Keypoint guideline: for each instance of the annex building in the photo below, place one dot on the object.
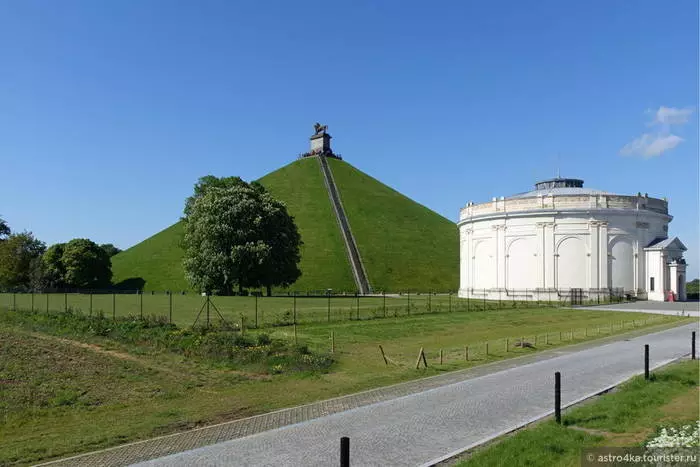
(562, 240)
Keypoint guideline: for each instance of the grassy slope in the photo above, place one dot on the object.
(403, 244)
(324, 262)
(158, 260)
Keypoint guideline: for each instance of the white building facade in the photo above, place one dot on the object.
(562, 239)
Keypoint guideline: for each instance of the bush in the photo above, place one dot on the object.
(264, 339)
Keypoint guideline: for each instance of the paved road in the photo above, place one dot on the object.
(662, 308)
(420, 428)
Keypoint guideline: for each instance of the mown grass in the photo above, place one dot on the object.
(623, 418)
(271, 311)
(177, 391)
(404, 245)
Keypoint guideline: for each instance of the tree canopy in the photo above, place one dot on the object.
(110, 249)
(80, 263)
(4, 229)
(237, 234)
(18, 259)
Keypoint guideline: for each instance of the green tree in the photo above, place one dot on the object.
(279, 232)
(53, 267)
(230, 238)
(18, 254)
(110, 249)
(4, 229)
(86, 265)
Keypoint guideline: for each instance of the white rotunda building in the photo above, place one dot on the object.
(563, 241)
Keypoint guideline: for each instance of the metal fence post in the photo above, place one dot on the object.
(295, 309)
(170, 309)
(692, 346)
(384, 299)
(557, 397)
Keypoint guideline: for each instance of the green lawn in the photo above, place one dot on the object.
(118, 392)
(624, 418)
(271, 311)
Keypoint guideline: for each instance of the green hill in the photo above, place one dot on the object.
(403, 245)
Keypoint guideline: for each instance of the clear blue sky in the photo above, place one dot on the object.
(110, 111)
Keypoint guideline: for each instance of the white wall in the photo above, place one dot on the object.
(587, 248)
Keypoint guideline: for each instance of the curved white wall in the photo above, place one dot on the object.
(588, 247)
(570, 263)
(521, 264)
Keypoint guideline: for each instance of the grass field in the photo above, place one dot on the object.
(624, 418)
(265, 311)
(69, 393)
(404, 245)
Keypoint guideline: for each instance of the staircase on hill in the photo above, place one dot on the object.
(358, 269)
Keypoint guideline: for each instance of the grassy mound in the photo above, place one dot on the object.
(403, 244)
(153, 264)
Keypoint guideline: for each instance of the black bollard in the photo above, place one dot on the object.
(692, 346)
(557, 397)
(344, 451)
(646, 362)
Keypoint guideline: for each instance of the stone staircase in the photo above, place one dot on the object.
(358, 269)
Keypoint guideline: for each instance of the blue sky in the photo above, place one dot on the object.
(110, 111)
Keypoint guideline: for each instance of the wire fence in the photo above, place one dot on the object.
(262, 311)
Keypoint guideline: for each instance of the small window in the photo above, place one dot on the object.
(651, 284)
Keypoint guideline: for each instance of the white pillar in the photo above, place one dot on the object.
(549, 251)
(594, 249)
(501, 257)
(604, 258)
(673, 278)
(539, 251)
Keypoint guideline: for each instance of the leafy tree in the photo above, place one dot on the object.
(53, 267)
(210, 181)
(18, 255)
(281, 266)
(86, 265)
(110, 249)
(230, 237)
(693, 287)
(4, 229)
